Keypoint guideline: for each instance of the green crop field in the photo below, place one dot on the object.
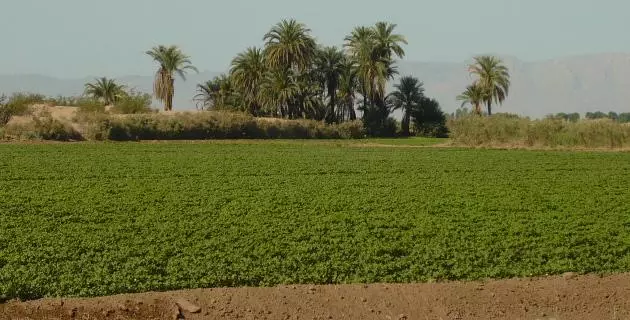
(104, 218)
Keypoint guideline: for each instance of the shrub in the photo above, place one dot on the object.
(132, 103)
(217, 125)
(48, 128)
(17, 105)
(549, 132)
(43, 127)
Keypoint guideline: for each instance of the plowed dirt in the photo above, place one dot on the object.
(560, 297)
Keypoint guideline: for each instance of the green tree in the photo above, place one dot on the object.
(105, 90)
(474, 95)
(348, 84)
(595, 115)
(408, 95)
(429, 119)
(172, 61)
(289, 44)
(493, 77)
(373, 51)
(613, 115)
(247, 73)
(329, 65)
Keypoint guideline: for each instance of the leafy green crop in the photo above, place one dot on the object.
(106, 218)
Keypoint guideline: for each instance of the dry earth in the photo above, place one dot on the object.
(559, 297)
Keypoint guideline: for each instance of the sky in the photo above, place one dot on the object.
(81, 38)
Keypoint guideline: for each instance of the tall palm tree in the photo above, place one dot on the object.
(247, 73)
(373, 50)
(172, 61)
(105, 90)
(360, 44)
(407, 96)
(330, 66)
(494, 78)
(289, 45)
(347, 90)
(474, 95)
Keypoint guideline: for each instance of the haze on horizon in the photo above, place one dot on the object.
(79, 38)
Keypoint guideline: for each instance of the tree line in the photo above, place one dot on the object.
(293, 77)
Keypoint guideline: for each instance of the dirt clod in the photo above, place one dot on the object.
(569, 275)
(186, 305)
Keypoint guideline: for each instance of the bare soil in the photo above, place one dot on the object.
(559, 297)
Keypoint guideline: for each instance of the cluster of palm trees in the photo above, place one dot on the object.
(492, 84)
(293, 76)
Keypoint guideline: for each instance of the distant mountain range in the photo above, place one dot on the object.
(599, 82)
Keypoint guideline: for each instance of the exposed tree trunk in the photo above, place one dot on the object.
(405, 122)
(353, 114)
(331, 112)
(489, 107)
(169, 95)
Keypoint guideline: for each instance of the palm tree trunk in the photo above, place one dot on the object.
(169, 96)
(405, 122)
(353, 114)
(331, 93)
(489, 107)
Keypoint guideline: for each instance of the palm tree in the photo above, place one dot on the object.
(373, 50)
(172, 60)
(217, 93)
(360, 44)
(247, 73)
(494, 78)
(387, 42)
(474, 95)
(289, 45)
(348, 83)
(278, 92)
(105, 90)
(407, 96)
(330, 66)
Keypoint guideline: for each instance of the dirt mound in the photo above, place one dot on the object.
(562, 297)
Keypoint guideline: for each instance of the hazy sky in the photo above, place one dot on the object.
(76, 38)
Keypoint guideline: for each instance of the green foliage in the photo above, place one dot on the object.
(408, 96)
(48, 128)
(104, 90)
(218, 125)
(172, 62)
(117, 218)
(377, 122)
(492, 83)
(133, 102)
(573, 117)
(551, 132)
(428, 119)
(293, 77)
